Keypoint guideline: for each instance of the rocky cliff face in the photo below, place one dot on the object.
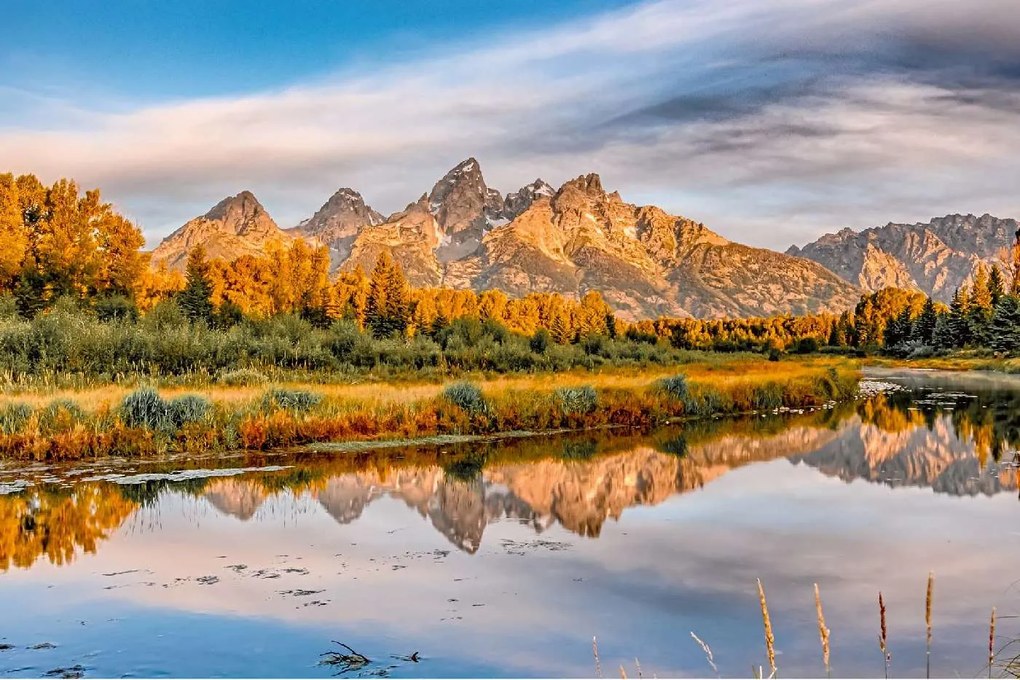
(935, 257)
(338, 222)
(237, 225)
(464, 234)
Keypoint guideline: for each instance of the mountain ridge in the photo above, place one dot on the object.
(580, 237)
(935, 258)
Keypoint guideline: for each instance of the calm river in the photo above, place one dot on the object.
(506, 559)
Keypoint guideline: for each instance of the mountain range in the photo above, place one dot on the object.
(579, 237)
(935, 258)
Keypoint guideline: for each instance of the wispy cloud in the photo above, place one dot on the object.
(771, 122)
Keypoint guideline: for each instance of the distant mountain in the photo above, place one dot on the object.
(337, 223)
(465, 234)
(935, 257)
(237, 225)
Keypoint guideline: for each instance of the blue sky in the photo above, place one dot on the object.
(772, 122)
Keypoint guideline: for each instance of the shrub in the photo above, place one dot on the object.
(13, 417)
(144, 408)
(189, 408)
(243, 377)
(59, 415)
(297, 401)
(540, 341)
(675, 387)
(467, 396)
(577, 400)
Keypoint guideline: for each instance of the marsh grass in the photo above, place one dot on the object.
(221, 417)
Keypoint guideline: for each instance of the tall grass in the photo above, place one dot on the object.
(148, 420)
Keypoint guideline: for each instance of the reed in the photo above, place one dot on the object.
(823, 631)
(927, 622)
(991, 642)
(883, 634)
(708, 653)
(770, 640)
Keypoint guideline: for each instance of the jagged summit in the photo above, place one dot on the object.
(935, 257)
(463, 233)
(237, 225)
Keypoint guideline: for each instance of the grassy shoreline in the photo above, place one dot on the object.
(62, 425)
(954, 362)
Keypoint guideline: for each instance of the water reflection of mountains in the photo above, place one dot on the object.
(949, 444)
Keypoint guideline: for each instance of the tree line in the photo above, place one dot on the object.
(56, 242)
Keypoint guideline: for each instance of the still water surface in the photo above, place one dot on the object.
(505, 559)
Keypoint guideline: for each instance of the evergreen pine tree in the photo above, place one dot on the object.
(196, 298)
(388, 308)
(1004, 327)
(958, 323)
(943, 337)
(924, 327)
(996, 284)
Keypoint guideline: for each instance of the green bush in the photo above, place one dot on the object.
(144, 408)
(675, 386)
(189, 408)
(467, 396)
(577, 400)
(297, 401)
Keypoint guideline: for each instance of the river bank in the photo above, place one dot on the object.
(66, 424)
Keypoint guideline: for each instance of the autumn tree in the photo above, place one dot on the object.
(387, 309)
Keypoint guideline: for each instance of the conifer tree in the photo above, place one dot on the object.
(996, 284)
(196, 298)
(924, 326)
(1004, 327)
(388, 306)
(958, 323)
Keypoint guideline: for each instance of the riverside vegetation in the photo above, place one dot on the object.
(81, 310)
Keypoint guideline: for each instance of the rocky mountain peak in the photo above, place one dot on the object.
(237, 225)
(459, 199)
(238, 212)
(935, 257)
(590, 184)
(519, 201)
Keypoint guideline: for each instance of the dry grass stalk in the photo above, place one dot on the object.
(927, 622)
(623, 673)
(991, 642)
(883, 634)
(770, 640)
(823, 631)
(595, 652)
(708, 652)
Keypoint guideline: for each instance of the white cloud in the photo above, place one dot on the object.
(854, 146)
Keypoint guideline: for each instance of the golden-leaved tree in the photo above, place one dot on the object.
(56, 241)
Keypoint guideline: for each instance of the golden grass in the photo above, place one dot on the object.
(721, 374)
(91, 423)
